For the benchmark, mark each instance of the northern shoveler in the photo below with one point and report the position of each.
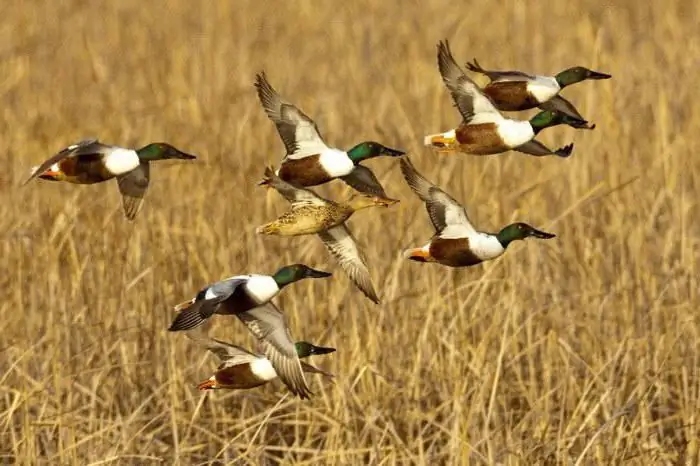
(309, 160)
(456, 242)
(484, 130)
(90, 161)
(241, 369)
(280, 353)
(515, 90)
(238, 294)
(312, 214)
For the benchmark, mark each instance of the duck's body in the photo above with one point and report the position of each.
(484, 130)
(316, 169)
(459, 252)
(312, 214)
(238, 294)
(456, 242)
(308, 219)
(515, 90)
(90, 162)
(242, 370)
(309, 160)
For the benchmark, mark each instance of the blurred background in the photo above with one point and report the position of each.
(579, 350)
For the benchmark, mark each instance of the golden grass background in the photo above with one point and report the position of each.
(579, 350)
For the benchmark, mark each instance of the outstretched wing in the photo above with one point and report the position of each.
(85, 147)
(195, 312)
(500, 76)
(296, 195)
(562, 105)
(448, 216)
(269, 326)
(341, 244)
(228, 354)
(363, 180)
(133, 186)
(471, 102)
(299, 133)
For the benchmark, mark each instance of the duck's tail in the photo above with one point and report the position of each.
(421, 254)
(443, 142)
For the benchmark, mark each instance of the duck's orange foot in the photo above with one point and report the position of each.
(209, 384)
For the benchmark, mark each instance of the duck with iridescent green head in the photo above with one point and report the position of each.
(456, 242)
(513, 91)
(90, 162)
(309, 160)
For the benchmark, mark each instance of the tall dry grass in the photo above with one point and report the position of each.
(580, 350)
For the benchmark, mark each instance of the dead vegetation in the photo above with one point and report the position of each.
(579, 350)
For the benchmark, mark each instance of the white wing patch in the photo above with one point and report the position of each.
(308, 141)
(455, 215)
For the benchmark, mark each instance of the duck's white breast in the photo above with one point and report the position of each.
(336, 162)
(543, 88)
(262, 367)
(515, 132)
(121, 161)
(262, 288)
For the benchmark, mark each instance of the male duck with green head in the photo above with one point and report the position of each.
(484, 130)
(90, 161)
(456, 242)
(238, 294)
(515, 90)
(241, 369)
(309, 160)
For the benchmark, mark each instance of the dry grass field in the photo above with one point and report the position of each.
(580, 350)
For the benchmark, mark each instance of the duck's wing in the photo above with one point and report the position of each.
(536, 148)
(468, 98)
(500, 76)
(363, 180)
(84, 147)
(269, 326)
(341, 244)
(448, 216)
(227, 353)
(299, 133)
(315, 370)
(195, 312)
(560, 104)
(133, 186)
(294, 194)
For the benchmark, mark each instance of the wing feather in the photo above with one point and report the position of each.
(341, 244)
(298, 132)
(444, 211)
(467, 96)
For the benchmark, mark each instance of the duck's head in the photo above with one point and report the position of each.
(162, 151)
(369, 149)
(520, 231)
(363, 201)
(295, 272)
(577, 74)
(549, 118)
(306, 349)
